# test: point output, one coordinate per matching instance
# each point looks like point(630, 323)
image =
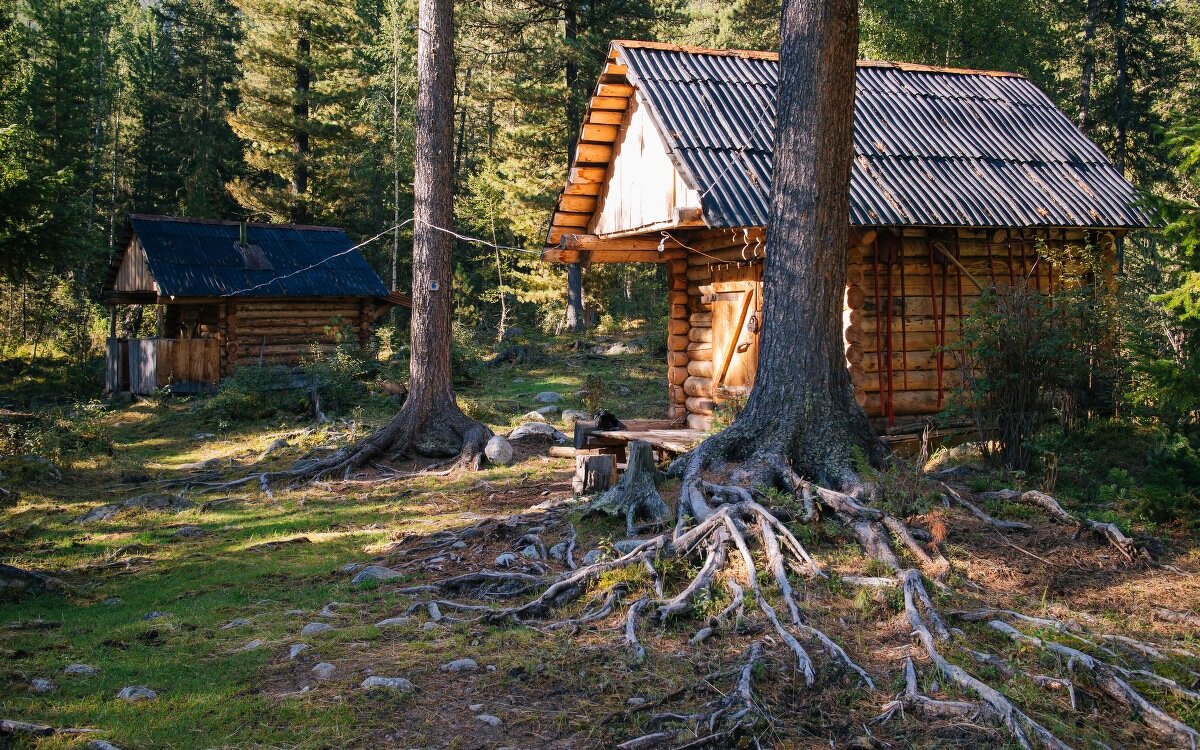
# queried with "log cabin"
point(232, 293)
point(961, 179)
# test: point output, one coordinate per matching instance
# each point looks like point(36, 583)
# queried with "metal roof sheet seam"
point(933, 146)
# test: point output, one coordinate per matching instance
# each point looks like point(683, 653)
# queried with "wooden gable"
point(133, 275)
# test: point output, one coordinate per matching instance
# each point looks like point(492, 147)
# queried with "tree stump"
point(636, 494)
point(594, 473)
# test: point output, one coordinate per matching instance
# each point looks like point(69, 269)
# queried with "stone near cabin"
point(324, 671)
point(491, 721)
point(392, 622)
point(81, 670)
point(537, 429)
point(398, 684)
point(531, 552)
point(498, 451)
point(558, 551)
point(374, 573)
point(237, 622)
point(505, 560)
point(255, 644)
point(352, 567)
point(571, 416)
point(534, 416)
point(593, 557)
point(296, 649)
point(189, 532)
point(550, 411)
point(155, 615)
point(136, 693)
point(461, 665)
point(315, 628)
point(330, 609)
point(548, 397)
point(41, 685)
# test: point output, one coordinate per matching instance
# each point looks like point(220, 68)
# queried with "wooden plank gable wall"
point(904, 303)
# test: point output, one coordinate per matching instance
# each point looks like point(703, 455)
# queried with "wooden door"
point(737, 320)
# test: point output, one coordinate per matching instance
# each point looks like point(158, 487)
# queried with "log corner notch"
point(589, 248)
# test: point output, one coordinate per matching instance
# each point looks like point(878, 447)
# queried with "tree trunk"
point(802, 404)
point(1088, 74)
point(576, 315)
point(300, 144)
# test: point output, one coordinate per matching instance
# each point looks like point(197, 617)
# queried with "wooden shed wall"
point(898, 285)
point(285, 331)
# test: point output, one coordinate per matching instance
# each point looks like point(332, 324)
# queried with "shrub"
point(57, 433)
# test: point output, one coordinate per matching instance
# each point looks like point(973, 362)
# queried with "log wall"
point(904, 301)
point(285, 331)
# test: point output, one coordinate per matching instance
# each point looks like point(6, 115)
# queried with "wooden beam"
point(606, 117)
point(564, 219)
point(588, 174)
point(582, 188)
point(615, 89)
point(598, 133)
point(617, 103)
point(592, 242)
point(561, 255)
point(577, 203)
point(593, 153)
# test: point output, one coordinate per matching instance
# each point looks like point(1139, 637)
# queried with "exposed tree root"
point(635, 495)
point(1123, 544)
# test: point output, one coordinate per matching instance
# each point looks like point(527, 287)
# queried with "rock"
point(505, 560)
point(592, 557)
point(461, 665)
point(274, 447)
point(252, 645)
point(558, 551)
point(211, 463)
point(491, 721)
point(352, 567)
point(498, 451)
point(296, 612)
point(296, 649)
point(136, 693)
point(534, 416)
point(475, 707)
point(388, 683)
point(155, 615)
point(460, 544)
point(623, 390)
point(374, 573)
point(518, 381)
point(84, 670)
point(428, 626)
point(531, 552)
point(113, 601)
point(330, 609)
point(324, 671)
point(512, 332)
point(548, 411)
point(314, 628)
point(235, 623)
point(203, 436)
point(100, 745)
point(392, 622)
point(536, 429)
point(41, 685)
point(148, 501)
point(571, 416)
point(103, 513)
point(625, 546)
point(16, 581)
point(548, 397)
point(189, 532)
point(636, 701)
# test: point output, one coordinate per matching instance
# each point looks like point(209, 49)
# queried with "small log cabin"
point(959, 176)
point(230, 294)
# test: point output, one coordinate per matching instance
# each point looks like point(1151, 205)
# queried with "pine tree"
point(298, 90)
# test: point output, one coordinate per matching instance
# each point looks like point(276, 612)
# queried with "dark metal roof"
point(201, 258)
point(932, 146)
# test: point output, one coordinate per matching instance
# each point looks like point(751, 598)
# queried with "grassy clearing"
point(551, 688)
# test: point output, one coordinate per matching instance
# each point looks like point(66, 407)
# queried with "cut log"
point(594, 474)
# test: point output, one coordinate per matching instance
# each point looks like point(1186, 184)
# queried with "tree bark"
point(576, 315)
point(1088, 74)
point(802, 404)
point(300, 145)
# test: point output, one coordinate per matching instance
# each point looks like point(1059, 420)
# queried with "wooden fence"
point(142, 366)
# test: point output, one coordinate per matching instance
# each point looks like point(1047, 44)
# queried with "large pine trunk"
point(802, 404)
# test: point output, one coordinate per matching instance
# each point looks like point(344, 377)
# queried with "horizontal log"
point(614, 89)
point(677, 375)
point(698, 387)
point(853, 297)
point(910, 339)
point(906, 403)
point(565, 219)
point(609, 102)
point(676, 395)
point(924, 360)
point(575, 202)
point(853, 334)
point(593, 133)
point(677, 297)
point(581, 188)
point(677, 359)
point(729, 238)
point(699, 273)
point(917, 380)
point(860, 397)
point(679, 283)
point(700, 368)
point(700, 422)
point(921, 307)
point(675, 326)
point(700, 350)
point(854, 353)
point(588, 174)
point(606, 117)
point(677, 343)
point(852, 317)
point(295, 311)
point(700, 334)
point(700, 405)
point(603, 255)
point(701, 319)
point(678, 311)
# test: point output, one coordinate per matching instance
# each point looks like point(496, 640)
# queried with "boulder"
point(558, 551)
point(374, 573)
point(534, 416)
point(548, 412)
point(253, 645)
point(625, 546)
point(548, 397)
point(461, 665)
point(593, 557)
point(314, 628)
point(499, 451)
point(491, 721)
point(135, 693)
point(531, 552)
point(571, 416)
point(41, 685)
point(324, 671)
point(296, 649)
point(83, 670)
point(188, 532)
point(237, 622)
point(537, 429)
point(392, 622)
point(505, 560)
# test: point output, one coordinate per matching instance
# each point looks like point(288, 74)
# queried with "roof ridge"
point(231, 223)
point(750, 54)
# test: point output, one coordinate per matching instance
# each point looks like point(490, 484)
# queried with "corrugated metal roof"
point(933, 147)
point(201, 258)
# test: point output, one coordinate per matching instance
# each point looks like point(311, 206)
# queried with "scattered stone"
point(235, 623)
point(330, 609)
point(84, 670)
point(505, 560)
point(498, 451)
point(211, 463)
point(313, 628)
point(534, 416)
point(113, 601)
point(548, 397)
point(374, 573)
point(295, 612)
point(390, 683)
point(536, 429)
point(531, 552)
point(136, 693)
point(392, 622)
point(491, 667)
point(592, 557)
point(476, 707)
point(623, 390)
point(460, 544)
point(103, 513)
point(461, 665)
point(435, 613)
point(352, 567)
point(189, 532)
point(41, 685)
point(155, 615)
point(148, 501)
point(625, 546)
point(296, 649)
point(518, 380)
point(324, 671)
point(274, 447)
point(548, 411)
point(571, 416)
point(203, 436)
point(428, 626)
point(558, 551)
point(636, 701)
point(491, 721)
point(100, 745)
point(252, 645)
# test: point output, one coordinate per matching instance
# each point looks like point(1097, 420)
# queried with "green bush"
point(57, 433)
